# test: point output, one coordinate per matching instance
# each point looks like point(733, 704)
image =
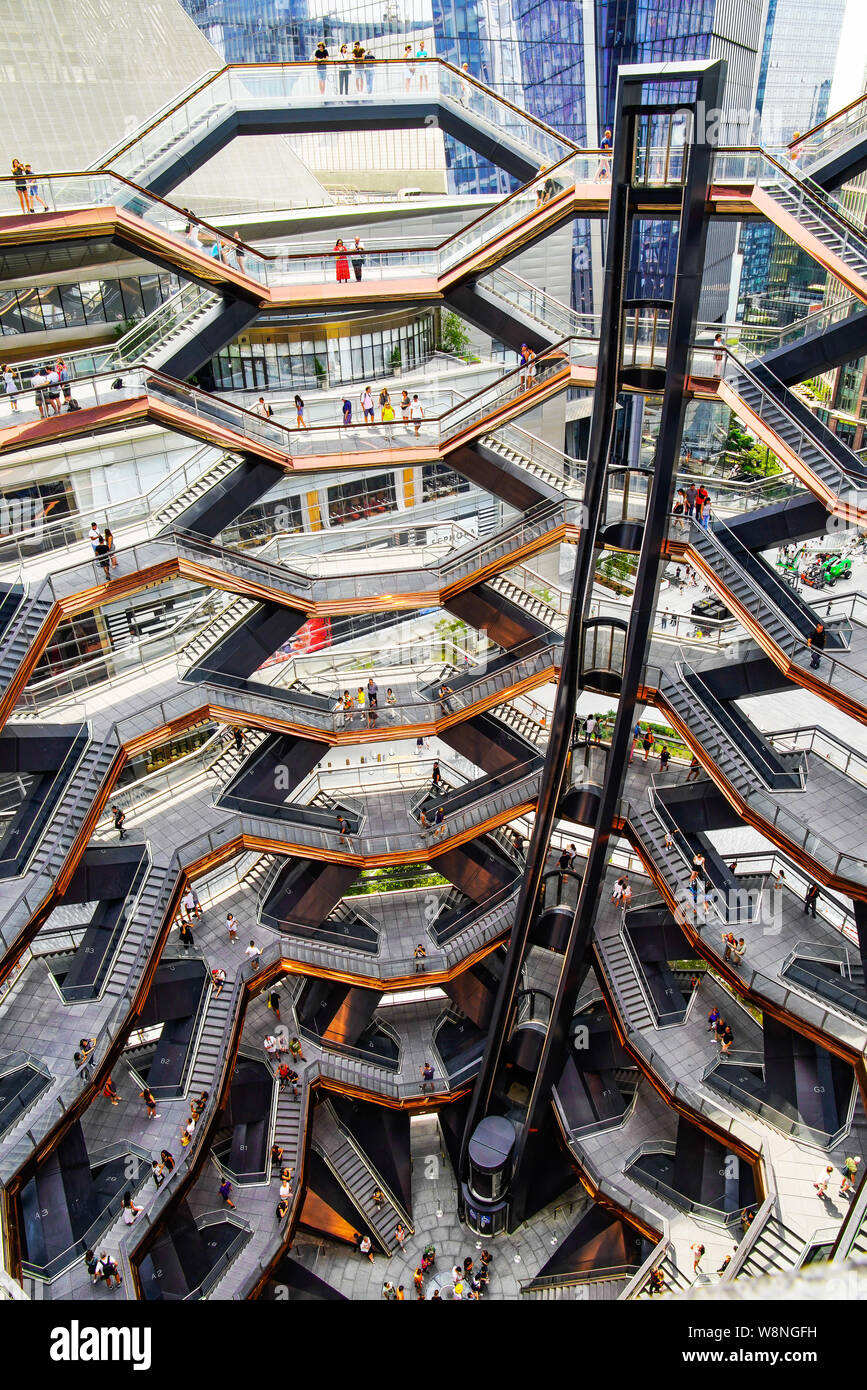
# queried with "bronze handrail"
point(309, 64)
point(835, 115)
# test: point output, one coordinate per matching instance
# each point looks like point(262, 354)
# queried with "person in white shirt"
point(262, 408)
point(416, 413)
point(39, 381)
point(270, 1045)
point(54, 391)
point(10, 386)
point(253, 953)
point(94, 535)
point(232, 926)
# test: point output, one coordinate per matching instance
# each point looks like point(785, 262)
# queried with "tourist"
point(39, 381)
point(816, 643)
point(408, 63)
point(129, 1210)
point(357, 256)
point(603, 173)
point(850, 1169)
point(342, 261)
point(810, 899)
point(10, 386)
point(118, 819)
point(343, 72)
point(405, 407)
point(366, 399)
point(20, 176)
point(226, 1193)
point(320, 58)
point(232, 926)
point(824, 1178)
point(33, 189)
point(416, 414)
point(253, 952)
point(147, 1096)
point(358, 59)
point(299, 413)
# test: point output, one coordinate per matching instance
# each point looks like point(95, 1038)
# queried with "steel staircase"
point(357, 1175)
point(776, 1248)
point(222, 466)
point(842, 238)
point(21, 633)
point(536, 607)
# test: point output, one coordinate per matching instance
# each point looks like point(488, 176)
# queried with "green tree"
point(453, 336)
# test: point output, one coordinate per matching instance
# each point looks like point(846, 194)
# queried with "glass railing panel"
point(837, 132)
point(534, 196)
point(74, 192)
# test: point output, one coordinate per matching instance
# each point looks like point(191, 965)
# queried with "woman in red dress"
point(342, 261)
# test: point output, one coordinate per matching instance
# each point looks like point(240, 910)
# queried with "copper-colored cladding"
point(152, 409)
point(150, 240)
point(793, 461)
point(815, 248)
point(318, 1216)
point(135, 580)
point(812, 866)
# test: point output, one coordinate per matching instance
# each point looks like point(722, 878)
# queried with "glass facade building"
point(555, 59)
point(796, 67)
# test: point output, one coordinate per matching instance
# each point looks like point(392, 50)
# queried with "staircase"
point(537, 522)
point(587, 1291)
point(213, 632)
point(288, 1129)
point(739, 751)
point(536, 607)
point(222, 466)
point(357, 1176)
point(529, 729)
point(785, 617)
point(141, 929)
point(231, 759)
point(618, 966)
point(21, 633)
point(73, 806)
point(218, 1019)
point(776, 1248)
point(154, 339)
point(828, 226)
point(524, 464)
point(804, 439)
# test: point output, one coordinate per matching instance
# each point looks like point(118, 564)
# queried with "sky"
point(852, 59)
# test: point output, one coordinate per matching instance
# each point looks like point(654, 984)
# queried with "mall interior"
point(468, 827)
